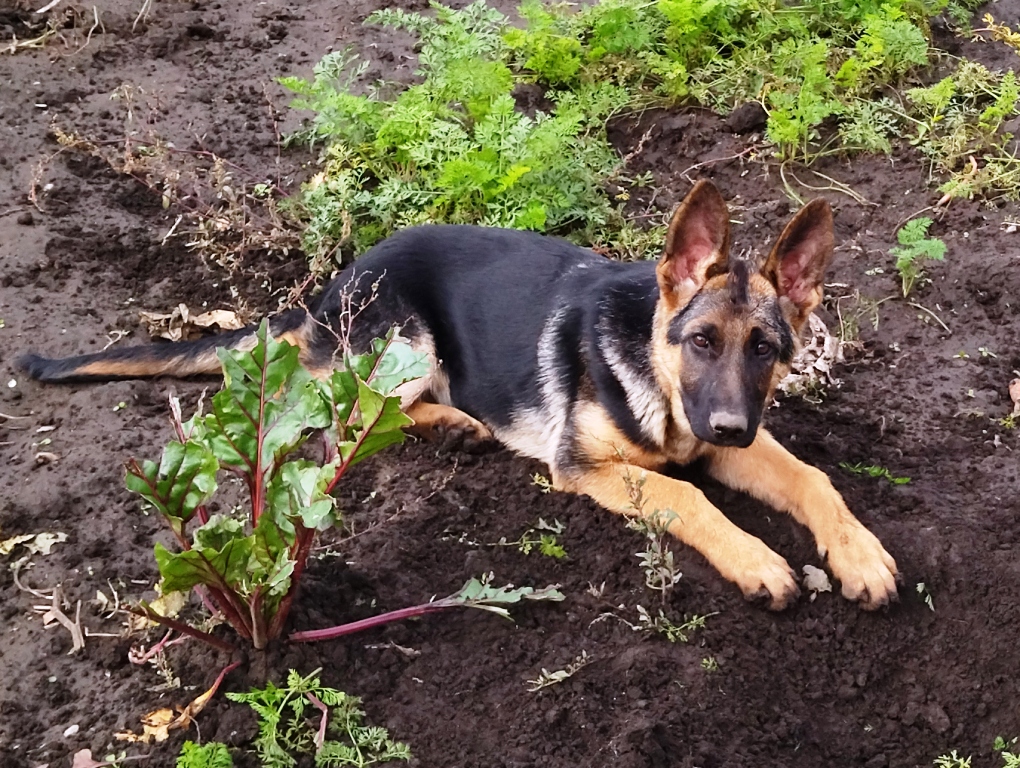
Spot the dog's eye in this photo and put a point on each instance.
(701, 341)
(763, 349)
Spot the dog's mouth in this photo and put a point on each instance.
(742, 440)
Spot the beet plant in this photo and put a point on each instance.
(246, 563)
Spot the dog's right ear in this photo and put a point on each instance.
(697, 243)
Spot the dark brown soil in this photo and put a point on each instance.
(821, 684)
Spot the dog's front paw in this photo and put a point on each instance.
(865, 570)
(468, 435)
(764, 576)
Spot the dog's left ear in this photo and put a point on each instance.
(797, 264)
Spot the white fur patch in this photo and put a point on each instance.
(536, 432)
(645, 400)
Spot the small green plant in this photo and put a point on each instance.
(915, 247)
(1010, 758)
(212, 754)
(661, 570)
(547, 678)
(663, 625)
(952, 760)
(247, 565)
(873, 470)
(709, 664)
(338, 739)
(657, 562)
(544, 483)
(542, 535)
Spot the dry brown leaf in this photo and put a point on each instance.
(7, 545)
(812, 368)
(36, 543)
(156, 726)
(181, 324)
(55, 613)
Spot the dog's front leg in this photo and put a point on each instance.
(769, 472)
(738, 556)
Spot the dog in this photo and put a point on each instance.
(606, 371)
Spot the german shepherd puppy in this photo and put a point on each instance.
(606, 371)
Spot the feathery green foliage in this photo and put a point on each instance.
(915, 247)
(285, 715)
(453, 148)
(833, 76)
(212, 754)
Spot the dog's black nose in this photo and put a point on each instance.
(727, 425)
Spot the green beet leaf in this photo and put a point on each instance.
(297, 493)
(382, 424)
(267, 403)
(220, 555)
(184, 480)
(389, 363)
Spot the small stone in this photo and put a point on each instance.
(25, 219)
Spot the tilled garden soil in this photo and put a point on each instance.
(821, 684)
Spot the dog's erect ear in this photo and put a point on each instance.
(697, 242)
(796, 266)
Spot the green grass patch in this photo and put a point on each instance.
(873, 470)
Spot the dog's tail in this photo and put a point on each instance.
(180, 359)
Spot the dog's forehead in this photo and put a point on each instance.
(736, 302)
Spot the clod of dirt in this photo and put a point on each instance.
(746, 118)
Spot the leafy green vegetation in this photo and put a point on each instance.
(663, 625)
(337, 738)
(915, 247)
(804, 63)
(951, 760)
(959, 119)
(246, 565)
(453, 148)
(1010, 758)
(210, 755)
(872, 470)
(460, 145)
